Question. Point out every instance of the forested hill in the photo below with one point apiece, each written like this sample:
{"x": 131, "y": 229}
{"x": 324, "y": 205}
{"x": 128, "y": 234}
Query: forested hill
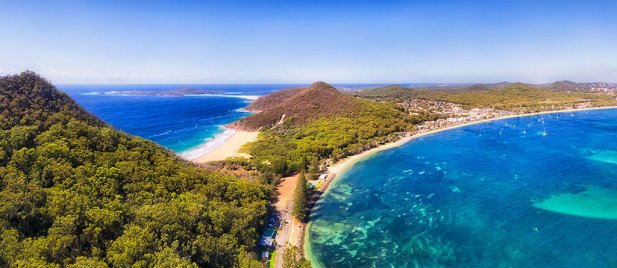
{"x": 29, "y": 100}
{"x": 320, "y": 124}
{"x": 74, "y": 192}
{"x": 519, "y": 97}
{"x": 299, "y": 106}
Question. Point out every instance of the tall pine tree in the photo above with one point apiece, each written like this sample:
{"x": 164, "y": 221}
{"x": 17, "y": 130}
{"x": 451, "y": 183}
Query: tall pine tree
{"x": 300, "y": 198}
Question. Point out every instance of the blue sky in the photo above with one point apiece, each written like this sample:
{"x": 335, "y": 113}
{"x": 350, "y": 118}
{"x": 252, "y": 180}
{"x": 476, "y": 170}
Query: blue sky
{"x": 303, "y": 41}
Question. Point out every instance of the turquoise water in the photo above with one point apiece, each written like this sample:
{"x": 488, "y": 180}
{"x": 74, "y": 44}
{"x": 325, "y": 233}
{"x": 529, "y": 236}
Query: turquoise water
{"x": 498, "y": 194}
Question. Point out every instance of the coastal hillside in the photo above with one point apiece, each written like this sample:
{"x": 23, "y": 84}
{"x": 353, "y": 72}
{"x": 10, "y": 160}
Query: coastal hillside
{"x": 298, "y": 107}
{"x": 566, "y": 85}
{"x": 273, "y": 99}
{"x": 74, "y": 192}
{"x": 317, "y": 124}
{"x": 515, "y": 97}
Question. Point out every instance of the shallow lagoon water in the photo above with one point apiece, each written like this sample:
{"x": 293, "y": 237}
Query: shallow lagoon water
{"x": 498, "y": 194}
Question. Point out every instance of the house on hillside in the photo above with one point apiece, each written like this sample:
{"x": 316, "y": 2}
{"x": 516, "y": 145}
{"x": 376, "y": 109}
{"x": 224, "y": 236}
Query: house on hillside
{"x": 267, "y": 238}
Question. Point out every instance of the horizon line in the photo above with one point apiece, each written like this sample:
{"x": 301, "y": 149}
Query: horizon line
{"x": 334, "y": 83}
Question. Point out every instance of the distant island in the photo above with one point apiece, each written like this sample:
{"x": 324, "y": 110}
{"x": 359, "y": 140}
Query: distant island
{"x": 175, "y": 92}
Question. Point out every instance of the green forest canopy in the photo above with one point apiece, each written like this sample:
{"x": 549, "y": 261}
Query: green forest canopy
{"x": 74, "y": 192}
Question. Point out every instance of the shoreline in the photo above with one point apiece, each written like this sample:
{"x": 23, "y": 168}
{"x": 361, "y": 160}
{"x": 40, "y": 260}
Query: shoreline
{"x": 220, "y": 147}
{"x": 338, "y": 169}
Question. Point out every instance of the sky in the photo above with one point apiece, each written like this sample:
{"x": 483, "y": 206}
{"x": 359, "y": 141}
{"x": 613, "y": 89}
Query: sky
{"x": 265, "y": 41}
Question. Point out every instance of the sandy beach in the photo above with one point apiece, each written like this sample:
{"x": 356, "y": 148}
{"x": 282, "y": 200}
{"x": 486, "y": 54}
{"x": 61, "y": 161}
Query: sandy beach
{"x": 227, "y": 146}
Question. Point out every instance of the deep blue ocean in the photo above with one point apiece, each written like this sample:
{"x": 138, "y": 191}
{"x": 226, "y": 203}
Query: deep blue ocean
{"x": 538, "y": 191}
{"x": 180, "y": 123}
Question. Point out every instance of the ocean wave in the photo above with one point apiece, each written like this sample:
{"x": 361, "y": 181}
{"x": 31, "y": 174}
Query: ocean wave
{"x": 209, "y": 145}
{"x": 161, "y": 134}
{"x": 247, "y": 97}
{"x": 175, "y": 131}
{"x": 243, "y": 110}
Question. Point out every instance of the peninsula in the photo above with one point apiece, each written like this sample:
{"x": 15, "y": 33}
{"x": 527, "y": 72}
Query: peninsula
{"x": 321, "y": 131}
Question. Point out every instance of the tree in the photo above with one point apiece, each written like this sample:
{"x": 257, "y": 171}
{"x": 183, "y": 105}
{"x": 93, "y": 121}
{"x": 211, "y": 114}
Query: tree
{"x": 74, "y": 192}
{"x": 303, "y": 163}
{"x": 248, "y": 260}
{"x": 293, "y": 259}
{"x": 300, "y": 198}
{"x": 313, "y": 167}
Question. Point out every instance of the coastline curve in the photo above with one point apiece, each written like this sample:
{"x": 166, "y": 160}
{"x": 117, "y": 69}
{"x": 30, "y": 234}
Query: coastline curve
{"x": 341, "y": 168}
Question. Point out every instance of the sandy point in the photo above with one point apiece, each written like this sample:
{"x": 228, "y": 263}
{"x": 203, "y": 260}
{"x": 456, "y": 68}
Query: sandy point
{"x": 228, "y": 147}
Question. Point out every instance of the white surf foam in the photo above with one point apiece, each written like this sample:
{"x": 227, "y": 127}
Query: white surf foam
{"x": 209, "y": 145}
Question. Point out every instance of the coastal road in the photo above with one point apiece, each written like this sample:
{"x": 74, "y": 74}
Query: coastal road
{"x": 283, "y": 208}
{"x": 290, "y": 230}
